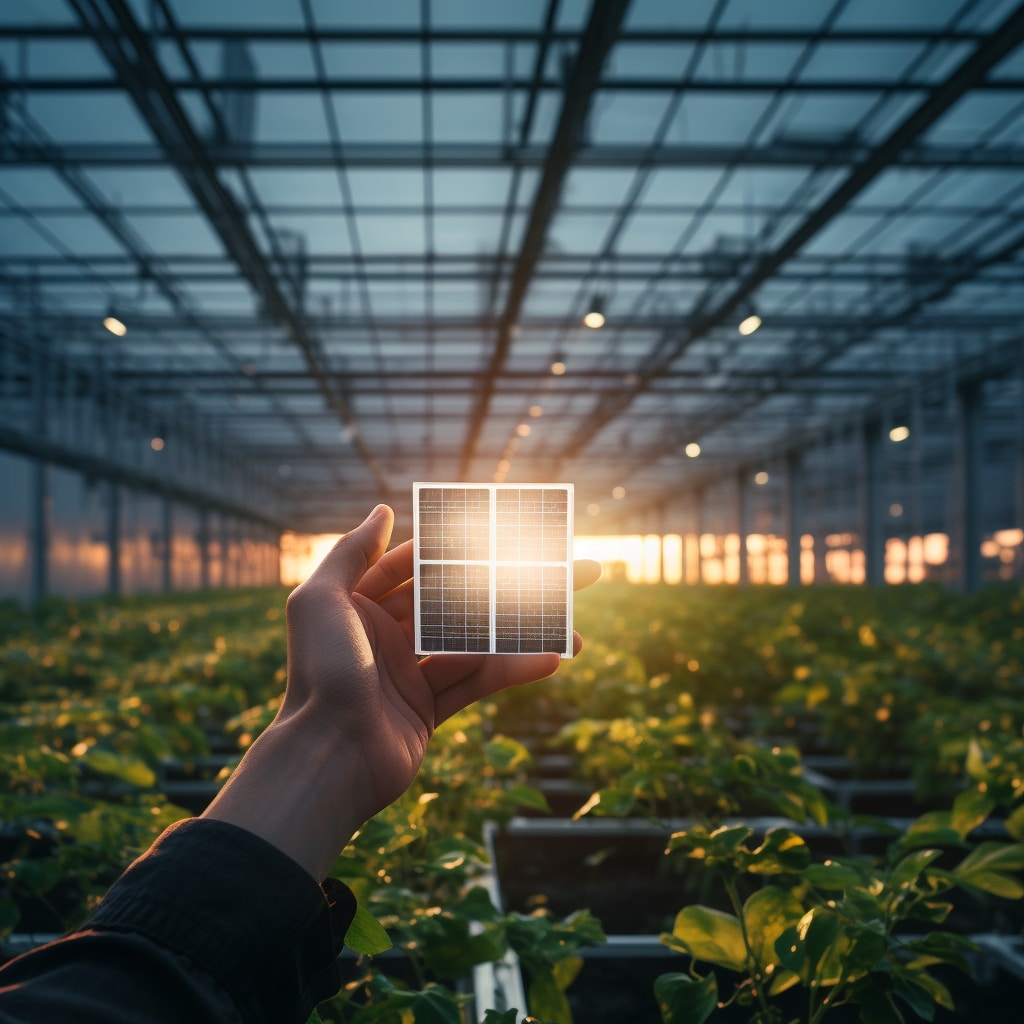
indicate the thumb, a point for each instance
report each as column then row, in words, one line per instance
column 354, row 553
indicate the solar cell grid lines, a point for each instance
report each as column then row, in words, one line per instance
column 493, row 568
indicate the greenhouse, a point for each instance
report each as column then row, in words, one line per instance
column 725, row 295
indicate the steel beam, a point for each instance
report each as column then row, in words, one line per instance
column 129, row 52
column 1002, row 41
column 598, row 39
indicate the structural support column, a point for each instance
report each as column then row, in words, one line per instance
column 39, row 490
column 743, row 521
column 969, row 454
column 794, row 514
column 871, row 517
column 204, row 549
column 698, row 528
column 167, row 530
column 114, row 539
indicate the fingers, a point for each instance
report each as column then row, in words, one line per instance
column 585, row 572
column 347, row 562
column 460, row 679
column 390, row 571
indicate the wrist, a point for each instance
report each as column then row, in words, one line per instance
column 298, row 788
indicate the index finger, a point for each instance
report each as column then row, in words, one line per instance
column 391, row 570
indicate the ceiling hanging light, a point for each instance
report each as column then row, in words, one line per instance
column 558, row 364
column 750, row 322
column 113, row 324
column 594, row 316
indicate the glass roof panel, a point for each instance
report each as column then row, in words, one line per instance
column 883, row 14
column 368, row 59
column 385, row 186
column 297, row 186
column 846, row 61
column 468, row 117
column 36, row 12
column 86, row 117
column 605, row 186
column 664, row 14
column 718, row 117
column 647, row 60
column 224, row 13
column 290, row 117
column 745, row 61
column 578, row 232
column 625, row 116
column 80, row 234
column 388, row 234
column 973, row 118
column 458, row 187
column 60, row 58
column 321, row 233
column 281, row 59
column 36, row 186
column 462, row 234
column 465, row 60
column 790, row 14
column 465, row 14
column 379, row 117
column 398, row 14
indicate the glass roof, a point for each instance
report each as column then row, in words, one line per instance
column 354, row 243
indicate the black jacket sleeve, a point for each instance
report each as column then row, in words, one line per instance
column 212, row 924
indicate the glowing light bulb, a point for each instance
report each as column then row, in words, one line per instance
column 692, row 449
column 523, row 430
column 618, row 492
column 558, row 367
column 114, row 325
column 761, row 478
column 535, row 411
column 749, row 324
column 899, row 433
column 594, row 319
column 157, row 444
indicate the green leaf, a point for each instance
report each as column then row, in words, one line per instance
column 365, row 935
column 767, row 913
column 547, row 1001
column 916, row 998
column 710, row 935
column 908, row 870
column 504, row 753
column 1015, row 823
column 436, row 1005
column 782, row 852
column 876, row 1005
column 800, row 948
column 565, row 971
column 128, row 769
column 529, row 796
column 938, row 992
column 986, row 867
column 948, row 947
column 970, row 809
column 686, row 1000
column 510, row 1016
column 314, row 1018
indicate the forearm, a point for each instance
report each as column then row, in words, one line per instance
column 298, row 789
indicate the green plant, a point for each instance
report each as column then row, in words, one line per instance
column 845, row 932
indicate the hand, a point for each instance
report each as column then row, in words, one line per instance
column 360, row 705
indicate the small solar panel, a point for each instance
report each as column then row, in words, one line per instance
column 493, row 568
